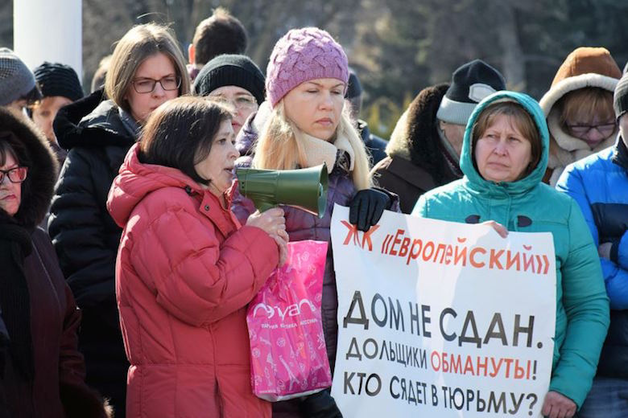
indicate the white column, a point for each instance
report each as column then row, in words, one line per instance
column 48, row 30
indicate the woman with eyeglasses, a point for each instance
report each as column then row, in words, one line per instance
column 42, row 373
column 234, row 80
column 579, row 108
column 146, row 70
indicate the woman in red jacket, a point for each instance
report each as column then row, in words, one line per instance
column 186, row 269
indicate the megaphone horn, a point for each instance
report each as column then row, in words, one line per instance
column 304, row 188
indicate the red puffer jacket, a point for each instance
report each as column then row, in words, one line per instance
column 185, row 272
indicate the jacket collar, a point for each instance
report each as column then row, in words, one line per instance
column 93, row 123
column 221, row 217
column 417, row 126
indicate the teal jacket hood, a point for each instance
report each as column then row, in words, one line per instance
column 528, row 205
column 473, row 177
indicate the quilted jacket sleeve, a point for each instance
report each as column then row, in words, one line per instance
column 586, row 305
column 79, row 234
column 615, row 275
column 196, row 278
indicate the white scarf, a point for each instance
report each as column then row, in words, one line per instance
column 319, row 151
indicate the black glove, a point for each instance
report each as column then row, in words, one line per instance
column 367, row 208
column 320, row 405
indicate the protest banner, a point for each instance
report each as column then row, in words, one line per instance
column 442, row 319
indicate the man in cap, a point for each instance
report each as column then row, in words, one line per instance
column 424, row 148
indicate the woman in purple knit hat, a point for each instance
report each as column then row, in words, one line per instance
column 307, row 125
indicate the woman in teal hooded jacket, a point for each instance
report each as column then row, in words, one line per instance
column 503, row 165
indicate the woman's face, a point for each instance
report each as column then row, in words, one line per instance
column 217, row 167
column 502, row 153
column 44, row 114
column 10, row 193
column 592, row 132
column 242, row 102
column 156, row 67
column 315, row 106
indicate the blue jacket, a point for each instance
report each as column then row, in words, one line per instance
column 528, row 205
column 599, row 184
column 600, row 188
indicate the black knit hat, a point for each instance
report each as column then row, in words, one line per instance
column 56, row 79
column 620, row 99
column 354, row 89
column 230, row 70
column 470, row 83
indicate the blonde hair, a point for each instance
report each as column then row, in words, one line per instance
column 139, row 43
column 583, row 105
column 279, row 146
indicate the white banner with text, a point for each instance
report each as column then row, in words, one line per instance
column 442, row 319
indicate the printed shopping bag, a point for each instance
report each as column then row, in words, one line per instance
column 288, row 355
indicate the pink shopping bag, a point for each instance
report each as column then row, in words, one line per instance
column 288, row 356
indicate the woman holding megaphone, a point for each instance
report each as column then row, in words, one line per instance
column 186, row 269
column 306, row 81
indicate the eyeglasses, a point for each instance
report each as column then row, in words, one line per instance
column 604, row 129
column 242, row 102
column 147, row 85
column 15, row 175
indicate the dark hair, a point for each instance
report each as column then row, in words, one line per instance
column 219, row 34
column 521, row 119
column 11, row 145
column 180, row 133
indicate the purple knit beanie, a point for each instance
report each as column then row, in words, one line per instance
column 303, row 55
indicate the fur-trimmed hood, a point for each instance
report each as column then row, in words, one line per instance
column 416, row 137
column 416, row 123
column 584, row 67
column 38, row 187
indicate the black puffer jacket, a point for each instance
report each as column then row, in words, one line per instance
column 86, row 238
column 42, row 369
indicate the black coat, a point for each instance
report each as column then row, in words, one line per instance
column 85, row 236
column 417, row 161
column 42, row 370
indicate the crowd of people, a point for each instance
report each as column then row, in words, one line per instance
column 129, row 256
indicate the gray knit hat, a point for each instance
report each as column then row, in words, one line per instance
column 470, row 83
column 620, row 99
column 16, row 80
